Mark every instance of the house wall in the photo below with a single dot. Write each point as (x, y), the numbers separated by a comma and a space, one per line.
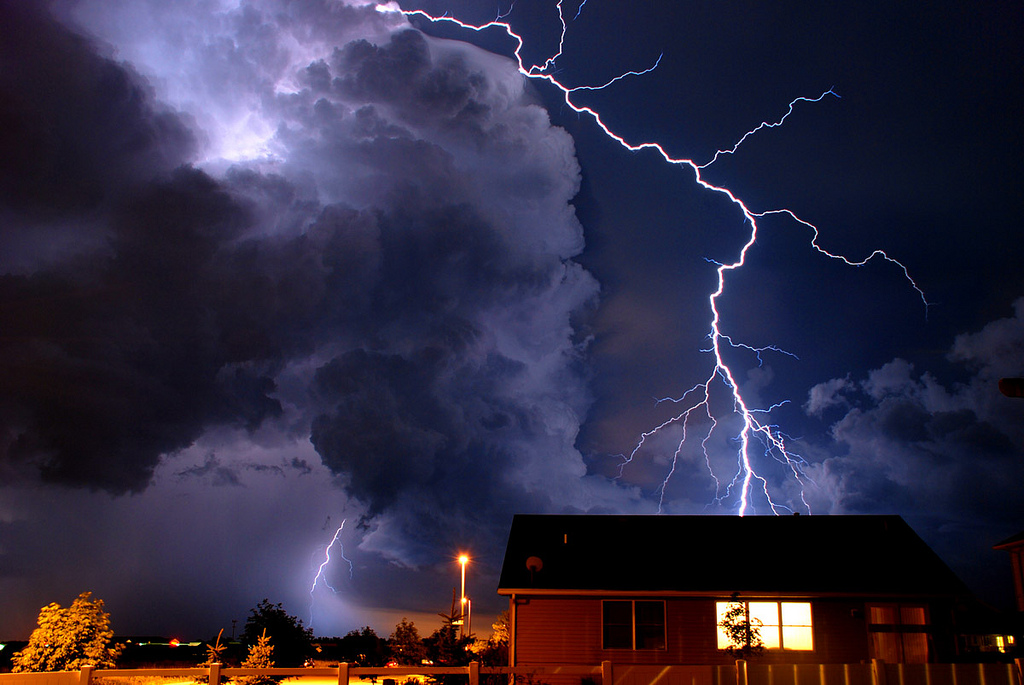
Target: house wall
(568, 630)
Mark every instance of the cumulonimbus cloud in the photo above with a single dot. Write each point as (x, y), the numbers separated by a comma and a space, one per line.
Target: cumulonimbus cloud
(389, 211)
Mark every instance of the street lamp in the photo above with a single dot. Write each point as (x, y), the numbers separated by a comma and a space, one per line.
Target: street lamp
(463, 560)
(467, 611)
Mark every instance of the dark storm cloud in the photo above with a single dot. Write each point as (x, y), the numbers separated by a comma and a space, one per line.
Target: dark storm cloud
(76, 126)
(913, 444)
(403, 262)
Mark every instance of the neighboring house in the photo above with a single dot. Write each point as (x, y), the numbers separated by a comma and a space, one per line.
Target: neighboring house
(1015, 547)
(651, 590)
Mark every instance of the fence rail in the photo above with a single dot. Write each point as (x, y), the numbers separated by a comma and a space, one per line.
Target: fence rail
(742, 673)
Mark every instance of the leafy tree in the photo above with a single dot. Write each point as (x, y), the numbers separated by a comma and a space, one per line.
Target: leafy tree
(494, 652)
(406, 645)
(363, 648)
(68, 639)
(261, 655)
(742, 631)
(292, 642)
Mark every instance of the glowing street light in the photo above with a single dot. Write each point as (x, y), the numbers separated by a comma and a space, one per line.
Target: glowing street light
(467, 611)
(463, 560)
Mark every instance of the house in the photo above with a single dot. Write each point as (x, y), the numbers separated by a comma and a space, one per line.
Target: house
(1015, 546)
(651, 590)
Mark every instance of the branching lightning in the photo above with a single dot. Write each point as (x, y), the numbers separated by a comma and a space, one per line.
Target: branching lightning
(320, 572)
(754, 430)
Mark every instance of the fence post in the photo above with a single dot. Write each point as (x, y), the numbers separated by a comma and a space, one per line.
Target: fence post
(607, 676)
(215, 674)
(742, 677)
(474, 673)
(878, 676)
(343, 673)
(85, 675)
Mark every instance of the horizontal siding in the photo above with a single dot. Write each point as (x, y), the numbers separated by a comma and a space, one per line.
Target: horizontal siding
(558, 630)
(568, 630)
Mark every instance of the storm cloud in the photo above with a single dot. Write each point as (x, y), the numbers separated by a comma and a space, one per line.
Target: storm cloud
(905, 441)
(403, 234)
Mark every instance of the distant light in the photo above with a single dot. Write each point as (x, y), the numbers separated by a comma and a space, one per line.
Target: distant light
(463, 559)
(174, 642)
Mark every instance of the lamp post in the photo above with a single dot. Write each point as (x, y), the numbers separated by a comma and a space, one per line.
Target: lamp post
(463, 560)
(467, 611)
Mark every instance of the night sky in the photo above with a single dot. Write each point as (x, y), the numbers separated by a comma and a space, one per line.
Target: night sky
(267, 267)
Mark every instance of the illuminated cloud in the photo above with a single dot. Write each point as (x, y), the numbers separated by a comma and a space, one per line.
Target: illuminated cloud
(371, 243)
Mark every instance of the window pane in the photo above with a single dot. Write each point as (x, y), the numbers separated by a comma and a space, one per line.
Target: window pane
(797, 638)
(912, 616)
(796, 614)
(618, 612)
(915, 648)
(885, 646)
(765, 612)
(723, 639)
(650, 625)
(618, 625)
(883, 614)
(770, 637)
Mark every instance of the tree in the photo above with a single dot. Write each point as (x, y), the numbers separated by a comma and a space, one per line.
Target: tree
(406, 645)
(495, 651)
(293, 643)
(363, 648)
(261, 655)
(446, 648)
(68, 639)
(742, 631)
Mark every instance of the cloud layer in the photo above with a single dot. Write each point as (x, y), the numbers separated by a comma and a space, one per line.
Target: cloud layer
(359, 234)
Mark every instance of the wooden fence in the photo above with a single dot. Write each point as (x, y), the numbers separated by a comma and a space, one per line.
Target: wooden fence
(742, 673)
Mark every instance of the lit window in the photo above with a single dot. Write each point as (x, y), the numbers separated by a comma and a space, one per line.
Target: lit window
(899, 633)
(781, 625)
(633, 624)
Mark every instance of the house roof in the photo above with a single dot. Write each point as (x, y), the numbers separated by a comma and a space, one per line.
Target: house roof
(788, 555)
(1011, 542)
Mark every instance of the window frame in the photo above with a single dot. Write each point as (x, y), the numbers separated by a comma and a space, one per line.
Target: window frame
(779, 626)
(900, 630)
(634, 625)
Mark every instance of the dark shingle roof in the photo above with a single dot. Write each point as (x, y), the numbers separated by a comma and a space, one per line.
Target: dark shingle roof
(845, 555)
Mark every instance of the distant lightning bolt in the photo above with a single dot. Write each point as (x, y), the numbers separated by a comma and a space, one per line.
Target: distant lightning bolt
(327, 560)
(697, 400)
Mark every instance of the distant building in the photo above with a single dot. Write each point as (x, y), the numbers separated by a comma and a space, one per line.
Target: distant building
(652, 589)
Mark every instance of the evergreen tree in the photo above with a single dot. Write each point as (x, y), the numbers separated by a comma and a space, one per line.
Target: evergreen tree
(261, 655)
(68, 639)
(446, 648)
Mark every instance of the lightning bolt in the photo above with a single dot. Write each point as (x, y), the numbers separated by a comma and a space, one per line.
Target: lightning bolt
(754, 430)
(323, 565)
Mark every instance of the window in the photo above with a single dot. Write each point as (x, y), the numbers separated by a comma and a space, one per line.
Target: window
(899, 633)
(633, 624)
(783, 625)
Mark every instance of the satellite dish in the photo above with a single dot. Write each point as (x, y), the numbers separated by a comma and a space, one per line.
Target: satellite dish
(534, 564)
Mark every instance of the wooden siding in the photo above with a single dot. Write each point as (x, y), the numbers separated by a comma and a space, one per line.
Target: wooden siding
(568, 630)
